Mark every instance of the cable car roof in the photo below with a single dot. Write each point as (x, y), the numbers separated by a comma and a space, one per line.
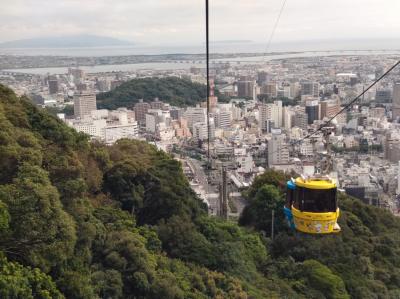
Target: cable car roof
(315, 183)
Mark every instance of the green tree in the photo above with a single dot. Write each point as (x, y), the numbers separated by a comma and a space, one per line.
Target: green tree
(258, 212)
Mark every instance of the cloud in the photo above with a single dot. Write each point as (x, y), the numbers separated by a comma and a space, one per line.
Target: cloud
(182, 21)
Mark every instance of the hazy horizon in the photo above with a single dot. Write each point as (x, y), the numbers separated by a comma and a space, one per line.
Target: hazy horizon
(173, 22)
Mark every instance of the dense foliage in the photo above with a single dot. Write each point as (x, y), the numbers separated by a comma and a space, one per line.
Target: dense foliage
(83, 220)
(172, 90)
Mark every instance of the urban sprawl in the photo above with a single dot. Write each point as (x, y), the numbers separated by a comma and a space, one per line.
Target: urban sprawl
(273, 105)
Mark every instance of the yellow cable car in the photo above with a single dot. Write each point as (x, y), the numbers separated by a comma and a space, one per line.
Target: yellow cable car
(311, 205)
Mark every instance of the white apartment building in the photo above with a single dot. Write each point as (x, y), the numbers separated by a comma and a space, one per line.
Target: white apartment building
(95, 128)
(270, 112)
(113, 133)
(108, 127)
(224, 119)
(195, 115)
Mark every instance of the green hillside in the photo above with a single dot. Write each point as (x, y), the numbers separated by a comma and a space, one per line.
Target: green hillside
(82, 220)
(172, 90)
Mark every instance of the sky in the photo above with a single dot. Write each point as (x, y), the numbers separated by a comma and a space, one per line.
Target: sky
(169, 22)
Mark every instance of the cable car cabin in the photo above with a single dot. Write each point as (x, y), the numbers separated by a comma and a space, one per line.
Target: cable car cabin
(311, 205)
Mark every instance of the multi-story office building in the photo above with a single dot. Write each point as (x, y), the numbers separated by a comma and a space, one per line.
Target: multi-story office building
(176, 113)
(396, 101)
(278, 152)
(53, 85)
(157, 104)
(301, 118)
(141, 109)
(246, 89)
(272, 112)
(200, 131)
(195, 115)
(392, 149)
(84, 104)
(329, 108)
(383, 95)
(312, 110)
(270, 89)
(310, 88)
(77, 74)
(263, 78)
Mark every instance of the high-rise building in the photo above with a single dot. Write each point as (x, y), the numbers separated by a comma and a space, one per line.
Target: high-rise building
(77, 74)
(392, 149)
(312, 110)
(288, 118)
(141, 109)
(246, 89)
(157, 104)
(176, 113)
(301, 118)
(200, 131)
(270, 89)
(272, 112)
(396, 101)
(310, 88)
(53, 85)
(383, 95)
(263, 78)
(329, 108)
(278, 152)
(195, 115)
(84, 104)
(224, 119)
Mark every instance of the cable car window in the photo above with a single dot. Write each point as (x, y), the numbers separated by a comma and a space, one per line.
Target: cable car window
(289, 197)
(297, 198)
(318, 201)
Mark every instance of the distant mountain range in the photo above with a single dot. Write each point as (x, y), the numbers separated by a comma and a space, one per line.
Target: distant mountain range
(71, 41)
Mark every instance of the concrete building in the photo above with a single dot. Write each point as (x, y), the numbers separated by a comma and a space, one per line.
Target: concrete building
(278, 152)
(77, 74)
(53, 85)
(263, 78)
(195, 115)
(141, 109)
(176, 113)
(392, 149)
(383, 95)
(312, 110)
(84, 104)
(224, 119)
(288, 118)
(94, 128)
(108, 126)
(200, 131)
(270, 89)
(396, 101)
(112, 133)
(270, 112)
(301, 119)
(246, 89)
(310, 88)
(157, 104)
(329, 108)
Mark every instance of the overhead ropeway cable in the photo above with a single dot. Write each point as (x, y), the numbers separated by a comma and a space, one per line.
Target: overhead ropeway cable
(327, 123)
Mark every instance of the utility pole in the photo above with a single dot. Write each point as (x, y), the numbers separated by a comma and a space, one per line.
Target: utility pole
(272, 224)
(223, 196)
(208, 84)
